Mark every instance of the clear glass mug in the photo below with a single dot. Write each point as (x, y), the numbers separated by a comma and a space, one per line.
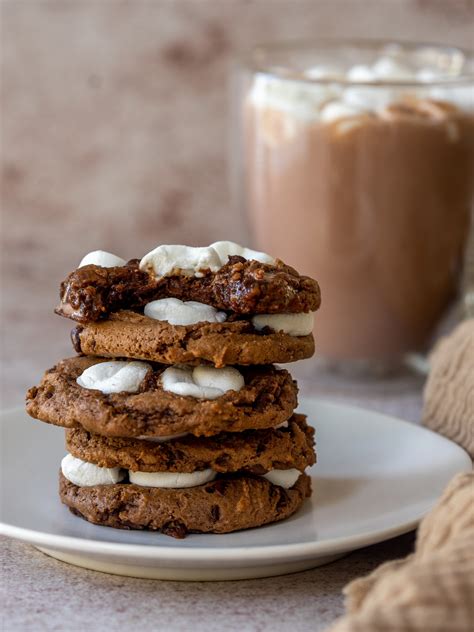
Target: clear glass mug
(356, 167)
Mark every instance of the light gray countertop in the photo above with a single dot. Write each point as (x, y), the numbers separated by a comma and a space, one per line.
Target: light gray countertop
(40, 593)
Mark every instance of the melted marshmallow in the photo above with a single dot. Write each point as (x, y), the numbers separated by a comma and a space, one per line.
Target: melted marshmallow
(202, 382)
(86, 474)
(103, 259)
(292, 324)
(177, 312)
(188, 260)
(169, 260)
(283, 478)
(226, 249)
(114, 376)
(172, 480)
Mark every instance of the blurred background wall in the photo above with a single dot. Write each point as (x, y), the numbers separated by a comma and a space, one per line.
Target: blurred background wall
(114, 120)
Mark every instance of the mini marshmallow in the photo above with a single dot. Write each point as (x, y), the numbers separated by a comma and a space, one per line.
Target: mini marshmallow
(171, 480)
(304, 102)
(292, 324)
(388, 68)
(360, 73)
(103, 259)
(169, 260)
(283, 478)
(336, 110)
(202, 382)
(225, 249)
(299, 99)
(324, 72)
(177, 312)
(86, 474)
(115, 376)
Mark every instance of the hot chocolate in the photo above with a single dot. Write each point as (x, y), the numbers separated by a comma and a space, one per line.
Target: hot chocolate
(369, 188)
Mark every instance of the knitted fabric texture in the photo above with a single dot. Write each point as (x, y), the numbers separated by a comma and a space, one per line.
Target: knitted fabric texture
(432, 590)
(449, 392)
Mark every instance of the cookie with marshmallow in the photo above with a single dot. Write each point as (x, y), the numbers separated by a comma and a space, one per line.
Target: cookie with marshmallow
(209, 507)
(261, 339)
(135, 399)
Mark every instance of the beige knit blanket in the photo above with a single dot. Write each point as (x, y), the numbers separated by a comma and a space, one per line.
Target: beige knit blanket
(432, 590)
(449, 392)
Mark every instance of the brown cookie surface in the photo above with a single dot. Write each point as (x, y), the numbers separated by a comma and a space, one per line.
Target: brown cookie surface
(267, 399)
(241, 286)
(255, 451)
(227, 504)
(132, 335)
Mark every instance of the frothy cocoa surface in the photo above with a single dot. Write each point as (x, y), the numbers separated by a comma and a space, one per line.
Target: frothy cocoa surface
(376, 207)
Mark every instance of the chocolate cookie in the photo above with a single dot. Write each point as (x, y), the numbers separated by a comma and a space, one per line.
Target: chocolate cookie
(256, 451)
(267, 400)
(132, 335)
(227, 504)
(241, 286)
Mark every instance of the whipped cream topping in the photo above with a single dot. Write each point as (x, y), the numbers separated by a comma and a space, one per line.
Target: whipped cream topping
(201, 382)
(309, 102)
(283, 478)
(293, 324)
(172, 480)
(168, 260)
(103, 259)
(116, 376)
(86, 474)
(178, 312)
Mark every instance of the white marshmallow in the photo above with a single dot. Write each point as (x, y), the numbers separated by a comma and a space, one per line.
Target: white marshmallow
(168, 260)
(172, 480)
(115, 376)
(225, 249)
(462, 96)
(427, 75)
(225, 379)
(202, 382)
(86, 474)
(103, 259)
(177, 312)
(298, 98)
(324, 72)
(370, 98)
(304, 102)
(388, 68)
(336, 110)
(360, 73)
(292, 324)
(283, 478)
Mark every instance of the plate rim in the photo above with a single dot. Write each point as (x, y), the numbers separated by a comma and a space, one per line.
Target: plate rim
(260, 552)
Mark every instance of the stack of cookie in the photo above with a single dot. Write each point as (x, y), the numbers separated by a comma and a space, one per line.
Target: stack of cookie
(189, 427)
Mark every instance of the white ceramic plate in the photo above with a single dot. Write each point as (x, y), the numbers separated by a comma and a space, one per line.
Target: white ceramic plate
(375, 478)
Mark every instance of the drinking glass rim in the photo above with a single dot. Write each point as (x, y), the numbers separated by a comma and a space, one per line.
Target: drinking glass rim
(249, 60)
